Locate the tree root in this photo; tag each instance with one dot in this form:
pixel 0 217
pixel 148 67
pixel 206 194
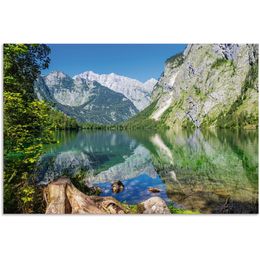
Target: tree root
pixel 62 197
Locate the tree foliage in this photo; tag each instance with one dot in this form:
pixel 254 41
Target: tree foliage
pixel 59 120
pixel 26 125
pixel 22 65
pixel 25 117
pixel 25 122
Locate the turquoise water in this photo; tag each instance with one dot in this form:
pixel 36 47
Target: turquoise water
pixel 213 171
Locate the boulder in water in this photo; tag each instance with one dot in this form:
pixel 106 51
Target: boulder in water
pixel 117 186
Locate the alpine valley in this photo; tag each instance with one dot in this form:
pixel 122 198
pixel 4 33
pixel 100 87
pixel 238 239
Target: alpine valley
pixel 89 97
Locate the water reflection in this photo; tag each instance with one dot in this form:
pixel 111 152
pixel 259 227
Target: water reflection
pixel 212 171
pixel 84 152
pixel 218 170
pixel 137 163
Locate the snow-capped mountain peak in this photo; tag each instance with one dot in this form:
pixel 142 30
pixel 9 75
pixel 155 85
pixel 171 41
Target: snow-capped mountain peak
pixel 136 91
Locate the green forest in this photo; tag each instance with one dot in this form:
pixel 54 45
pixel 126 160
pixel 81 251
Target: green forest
pixel 28 124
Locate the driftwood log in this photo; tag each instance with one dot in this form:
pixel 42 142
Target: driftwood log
pixel 62 197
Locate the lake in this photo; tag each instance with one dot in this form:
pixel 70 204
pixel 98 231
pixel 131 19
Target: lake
pixel 211 171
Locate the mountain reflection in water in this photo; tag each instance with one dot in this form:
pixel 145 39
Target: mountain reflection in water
pixel 213 171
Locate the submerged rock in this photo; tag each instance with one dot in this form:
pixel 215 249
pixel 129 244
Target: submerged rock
pixel 117 186
pixel 154 205
pixel 153 190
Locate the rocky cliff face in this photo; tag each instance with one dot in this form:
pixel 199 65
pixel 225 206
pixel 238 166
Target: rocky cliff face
pixel 139 93
pixel 87 101
pixel 209 85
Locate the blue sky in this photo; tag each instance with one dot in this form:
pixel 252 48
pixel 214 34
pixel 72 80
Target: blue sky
pixel 139 61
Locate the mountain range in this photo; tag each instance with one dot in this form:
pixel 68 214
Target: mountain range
pixel 90 97
pixel 139 93
pixel 208 85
